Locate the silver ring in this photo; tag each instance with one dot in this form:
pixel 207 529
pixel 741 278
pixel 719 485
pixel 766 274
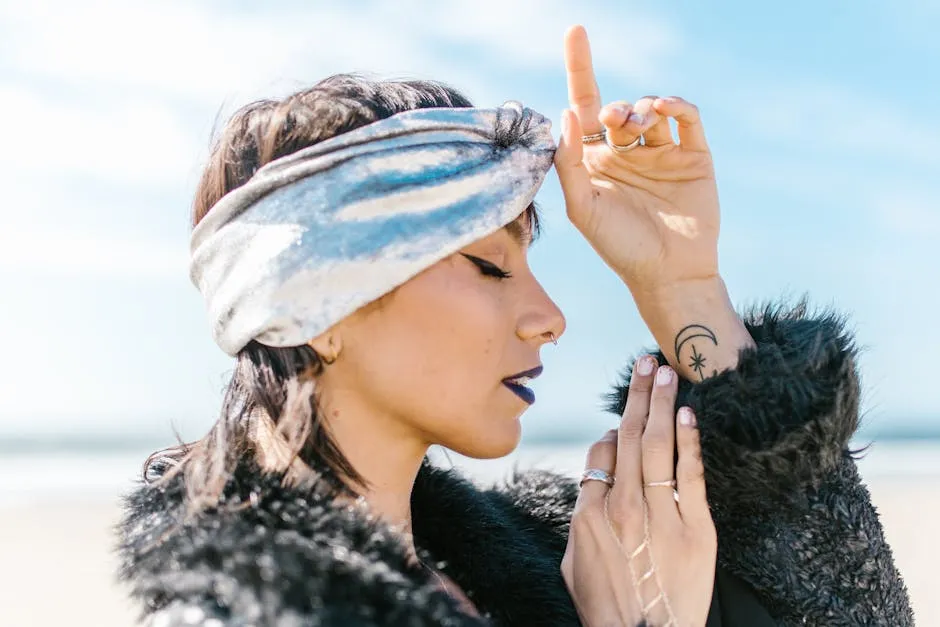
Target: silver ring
pixel 594 137
pixel 596 474
pixel 661 484
pixel 627 148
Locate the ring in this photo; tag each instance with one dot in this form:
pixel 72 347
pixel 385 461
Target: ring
pixel 596 474
pixel 627 148
pixel 595 137
pixel 661 484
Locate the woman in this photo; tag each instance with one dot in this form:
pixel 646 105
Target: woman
pixel 362 251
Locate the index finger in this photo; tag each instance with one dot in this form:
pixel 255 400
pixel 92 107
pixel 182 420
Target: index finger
pixel 583 94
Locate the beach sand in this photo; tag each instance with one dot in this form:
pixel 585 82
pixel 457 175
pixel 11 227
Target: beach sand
pixel 58 568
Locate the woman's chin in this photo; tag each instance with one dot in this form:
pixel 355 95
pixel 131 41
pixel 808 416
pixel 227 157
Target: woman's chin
pixel 495 443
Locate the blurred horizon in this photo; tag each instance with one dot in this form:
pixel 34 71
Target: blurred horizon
pixel 825 141
pixel 111 441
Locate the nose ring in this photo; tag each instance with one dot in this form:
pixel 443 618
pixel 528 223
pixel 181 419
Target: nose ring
pixel 552 336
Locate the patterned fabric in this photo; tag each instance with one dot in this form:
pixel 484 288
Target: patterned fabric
pixel 317 234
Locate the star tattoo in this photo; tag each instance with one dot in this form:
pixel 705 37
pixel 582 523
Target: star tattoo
pixel 698 362
pixel 686 336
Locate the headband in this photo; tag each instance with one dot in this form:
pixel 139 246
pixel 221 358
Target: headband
pixel 317 234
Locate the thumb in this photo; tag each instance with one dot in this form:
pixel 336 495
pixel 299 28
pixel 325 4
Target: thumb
pixel 574 177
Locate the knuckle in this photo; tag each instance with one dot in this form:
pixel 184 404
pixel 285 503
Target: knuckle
pixel 625 509
pixel 690 461
pixel 583 100
pixel 619 105
pixel 656 441
pixel 631 429
pixel 601 448
pixel 691 474
pixel 585 519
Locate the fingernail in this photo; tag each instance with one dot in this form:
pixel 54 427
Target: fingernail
pixel 686 417
pixel 624 110
pixel 610 436
pixel 645 367
pixel 637 118
pixel 664 376
pixel 564 122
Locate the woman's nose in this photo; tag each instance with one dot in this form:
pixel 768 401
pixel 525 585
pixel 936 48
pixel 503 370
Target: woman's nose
pixel 542 318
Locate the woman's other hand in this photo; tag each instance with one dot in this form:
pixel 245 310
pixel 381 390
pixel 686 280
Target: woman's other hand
pixel 650 212
pixel 620 534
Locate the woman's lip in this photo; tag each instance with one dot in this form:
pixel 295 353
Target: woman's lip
pixel 531 374
pixel 521 391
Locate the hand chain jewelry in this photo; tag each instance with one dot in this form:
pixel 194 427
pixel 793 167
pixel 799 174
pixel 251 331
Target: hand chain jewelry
pixel 638 580
pixel 436 574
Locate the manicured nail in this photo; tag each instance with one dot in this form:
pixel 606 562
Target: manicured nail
pixel 645 367
pixel 637 118
pixel 564 122
pixel 686 417
pixel 624 110
pixel 664 376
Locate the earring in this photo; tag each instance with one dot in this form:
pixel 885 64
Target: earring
pixel 333 354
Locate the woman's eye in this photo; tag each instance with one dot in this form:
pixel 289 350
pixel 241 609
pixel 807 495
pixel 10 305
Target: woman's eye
pixel 487 268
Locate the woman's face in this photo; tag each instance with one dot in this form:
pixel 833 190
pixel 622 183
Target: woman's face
pixel 431 358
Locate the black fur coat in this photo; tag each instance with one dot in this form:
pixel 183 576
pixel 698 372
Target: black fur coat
pixel 799 540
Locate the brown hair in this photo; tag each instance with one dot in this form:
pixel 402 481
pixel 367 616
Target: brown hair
pixel 269 412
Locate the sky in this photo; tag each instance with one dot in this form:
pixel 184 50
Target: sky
pixel 824 119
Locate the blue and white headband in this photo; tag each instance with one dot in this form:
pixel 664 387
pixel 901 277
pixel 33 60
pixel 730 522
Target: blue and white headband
pixel 317 234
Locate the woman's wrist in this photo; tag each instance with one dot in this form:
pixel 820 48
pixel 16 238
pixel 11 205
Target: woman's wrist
pixel 695 325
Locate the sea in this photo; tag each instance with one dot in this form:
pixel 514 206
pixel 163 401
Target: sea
pixel 47 469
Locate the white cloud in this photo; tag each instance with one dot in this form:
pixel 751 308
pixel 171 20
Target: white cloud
pixel 134 142
pixel 29 250
pixel 206 54
pixel 829 119
pixel 527 34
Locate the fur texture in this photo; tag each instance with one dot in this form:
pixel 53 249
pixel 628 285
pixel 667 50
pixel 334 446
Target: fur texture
pixel 793 518
pixel 794 522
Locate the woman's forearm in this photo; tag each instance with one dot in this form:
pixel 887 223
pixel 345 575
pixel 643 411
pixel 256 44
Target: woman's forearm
pixel 695 325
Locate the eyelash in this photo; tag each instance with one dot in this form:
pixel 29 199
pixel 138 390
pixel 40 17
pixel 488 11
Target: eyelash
pixel 488 268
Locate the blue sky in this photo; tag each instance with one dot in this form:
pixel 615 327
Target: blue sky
pixel 824 119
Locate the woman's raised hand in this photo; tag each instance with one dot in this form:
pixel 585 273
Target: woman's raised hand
pixel 636 551
pixel 651 212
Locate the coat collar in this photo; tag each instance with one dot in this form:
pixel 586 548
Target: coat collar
pixel 504 558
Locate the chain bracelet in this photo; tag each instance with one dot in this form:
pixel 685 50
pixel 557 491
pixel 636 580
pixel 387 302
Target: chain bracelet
pixel 652 572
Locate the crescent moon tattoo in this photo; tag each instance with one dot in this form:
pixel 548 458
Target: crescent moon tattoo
pixel 686 335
